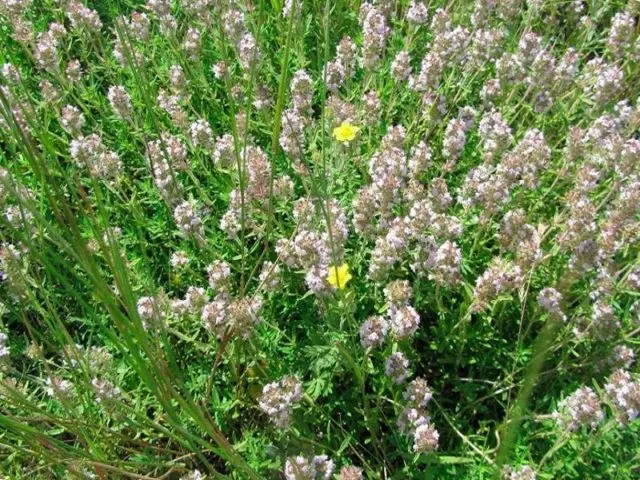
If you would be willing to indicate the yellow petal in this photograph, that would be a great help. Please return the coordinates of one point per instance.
(345, 132)
(339, 276)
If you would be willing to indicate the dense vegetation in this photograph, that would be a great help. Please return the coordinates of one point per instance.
(319, 239)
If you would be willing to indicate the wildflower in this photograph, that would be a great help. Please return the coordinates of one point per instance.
(248, 51)
(33, 351)
(397, 367)
(417, 13)
(550, 300)
(224, 151)
(74, 71)
(530, 45)
(90, 152)
(374, 32)
(509, 69)
(371, 107)
(420, 159)
(199, 8)
(262, 98)
(495, 134)
(299, 468)
(621, 33)
(214, 314)
(302, 93)
(430, 73)
(99, 359)
(346, 132)
(580, 408)
(340, 111)
(189, 221)
(195, 475)
(453, 142)
(388, 248)
(339, 276)
(524, 473)
(602, 80)
(259, 173)
(398, 293)
(270, 276)
(126, 56)
(287, 8)
(501, 276)
(605, 323)
(195, 298)
(400, 67)
(83, 17)
(171, 104)
(351, 473)
(4, 348)
(425, 438)
(418, 393)
(440, 22)
(159, 7)
(201, 134)
(179, 259)
(404, 321)
(105, 391)
(11, 74)
(622, 356)
(292, 133)
(334, 76)
(310, 249)
(226, 315)
(57, 387)
(491, 91)
(625, 395)
(373, 331)
(283, 187)
(364, 210)
(220, 70)
(485, 47)
(318, 467)
(149, 310)
(324, 467)
(527, 159)
(120, 101)
(50, 94)
(278, 398)
(446, 261)
(72, 120)
(410, 418)
(138, 26)
(219, 273)
(346, 56)
(17, 217)
(344, 66)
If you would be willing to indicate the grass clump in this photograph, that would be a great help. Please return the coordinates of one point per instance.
(319, 239)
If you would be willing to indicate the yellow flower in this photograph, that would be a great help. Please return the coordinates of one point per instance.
(339, 276)
(345, 132)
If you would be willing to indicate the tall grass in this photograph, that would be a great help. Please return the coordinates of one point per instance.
(286, 249)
